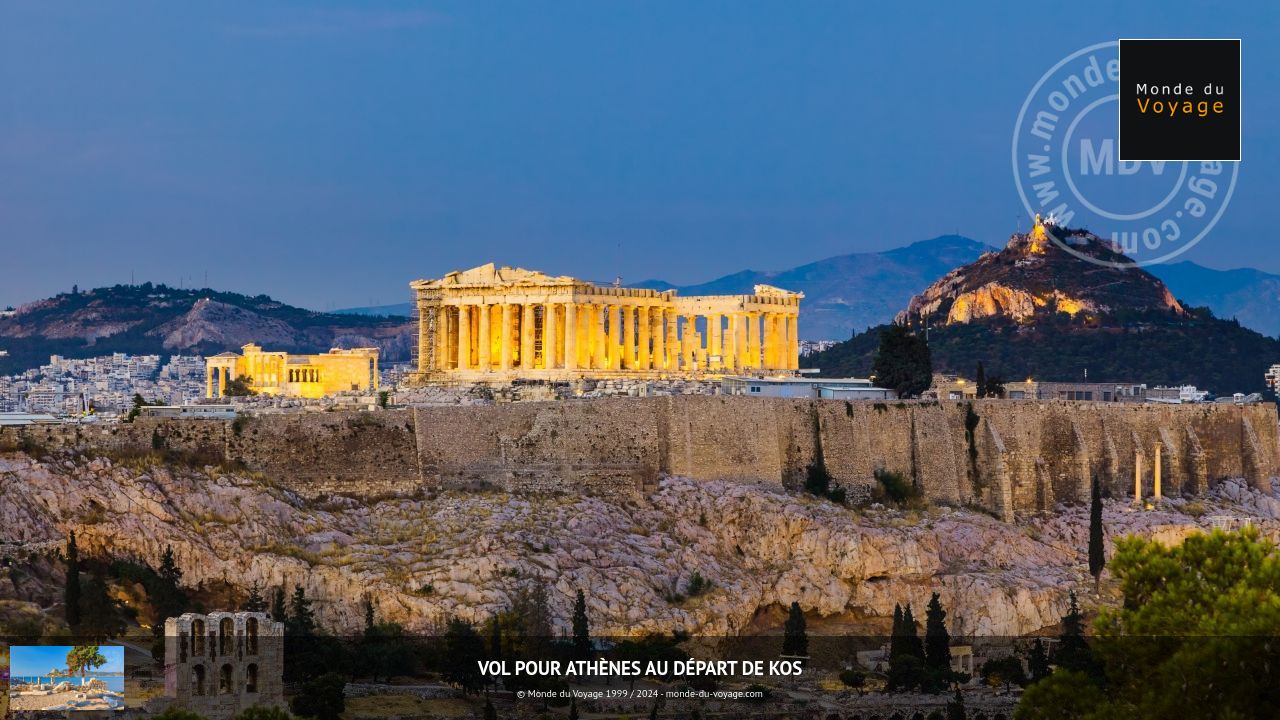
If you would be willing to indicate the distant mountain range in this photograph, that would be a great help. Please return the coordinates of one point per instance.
(849, 293)
(155, 319)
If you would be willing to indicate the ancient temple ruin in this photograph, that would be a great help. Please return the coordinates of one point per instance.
(219, 664)
(499, 324)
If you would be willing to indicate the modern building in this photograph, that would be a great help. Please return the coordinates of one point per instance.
(1273, 378)
(801, 387)
(952, 387)
(498, 324)
(282, 373)
(207, 412)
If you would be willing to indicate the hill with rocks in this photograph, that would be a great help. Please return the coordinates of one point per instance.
(1037, 309)
(156, 319)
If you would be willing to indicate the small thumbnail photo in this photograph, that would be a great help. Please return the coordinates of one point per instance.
(66, 677)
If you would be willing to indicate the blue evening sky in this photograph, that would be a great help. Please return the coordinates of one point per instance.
(328, 153)
(27, 660)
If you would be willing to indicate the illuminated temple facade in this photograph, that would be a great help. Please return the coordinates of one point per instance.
(501, 324)
(281, 373)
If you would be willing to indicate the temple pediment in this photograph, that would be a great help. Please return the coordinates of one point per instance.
(490, 275)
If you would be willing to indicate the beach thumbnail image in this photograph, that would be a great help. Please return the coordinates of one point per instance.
(66, 677)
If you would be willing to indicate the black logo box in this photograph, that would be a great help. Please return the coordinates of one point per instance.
(1184, 64)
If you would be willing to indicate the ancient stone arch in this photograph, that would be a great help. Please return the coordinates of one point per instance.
(237, 661)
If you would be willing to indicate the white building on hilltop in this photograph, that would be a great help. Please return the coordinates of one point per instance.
(1273, 378)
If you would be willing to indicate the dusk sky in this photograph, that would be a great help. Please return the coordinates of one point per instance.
(327, 154)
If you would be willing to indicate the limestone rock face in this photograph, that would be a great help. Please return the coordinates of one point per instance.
(424, 558)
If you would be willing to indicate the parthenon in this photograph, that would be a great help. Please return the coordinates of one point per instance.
(497, 324)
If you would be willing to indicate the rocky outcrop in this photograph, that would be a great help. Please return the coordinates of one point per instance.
(427, 557)
(1034, 275)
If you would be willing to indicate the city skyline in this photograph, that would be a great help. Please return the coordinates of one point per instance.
(326, 155)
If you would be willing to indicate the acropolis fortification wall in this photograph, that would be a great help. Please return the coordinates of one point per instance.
(1009, 456)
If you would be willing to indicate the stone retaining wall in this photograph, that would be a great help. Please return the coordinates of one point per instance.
(1006, 455)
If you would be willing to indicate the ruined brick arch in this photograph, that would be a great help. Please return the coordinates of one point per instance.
(197, 638)
(197, 680)
(226, 636)
(251, 636)
(251, 678)
(918, 716)
(226, 680)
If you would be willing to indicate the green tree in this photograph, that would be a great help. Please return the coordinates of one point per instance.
(581, 629)
(903, 363)
(937, 646)
(795, 640)
(1004, 671)
(980, 381)
(240, 386)
(465, 650)
(255, 602)
(1037, 662)
(99, 620)
(1193, 638)
(1097, 551)
(278, 611)
(71, 593)
(321, 698)
(906, 655)
(367, 602)
(84, 658)
(955, 708)
(490, 713)
(573, 709)
(301, 621)
(1073, 652)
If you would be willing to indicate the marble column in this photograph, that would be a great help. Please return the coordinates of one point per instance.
(642, 343)
(753, 340)
(505, 339)
(715, 344)
(769, 340)
(570, 336)
(628, 337)
(208, 381)
(729, 347)
(658, 329)
(599, 341)
(424, 320)
(549, 340)
(527, 342)
(464, 337)
(689, 343)
(444, 338)
(673, 340)
(485, 344)
(614, 359)
(793, 341)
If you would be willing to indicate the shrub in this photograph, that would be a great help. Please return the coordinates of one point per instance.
(853, 678)
(895, 486)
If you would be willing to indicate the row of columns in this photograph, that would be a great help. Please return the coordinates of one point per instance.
(219, 374)
(603, 336)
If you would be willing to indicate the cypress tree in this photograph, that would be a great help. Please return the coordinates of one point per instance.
(1038, 662)
(911, 634)
(71, 595)
(490, 713)
(581, 629)
(573, 709)
(255, 602)
(278, 612)
(895, 639)
(981, 381)
(1097, 555)
(795, 641)
(937, 645)
(495, 638)
(302, 621)
(368, 615)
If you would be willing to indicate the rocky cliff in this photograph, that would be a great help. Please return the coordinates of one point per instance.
(1034, 275)
(431, 555)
